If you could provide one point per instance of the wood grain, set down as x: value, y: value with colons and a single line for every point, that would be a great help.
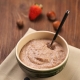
x: 12, y: 10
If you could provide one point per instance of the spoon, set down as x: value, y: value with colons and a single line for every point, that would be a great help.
x: 26, y: 78
x: 60, y: 26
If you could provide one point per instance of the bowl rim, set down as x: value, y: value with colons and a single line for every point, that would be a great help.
x: 49, y: 69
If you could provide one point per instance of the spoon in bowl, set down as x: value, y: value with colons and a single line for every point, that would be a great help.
x: 59, y: 28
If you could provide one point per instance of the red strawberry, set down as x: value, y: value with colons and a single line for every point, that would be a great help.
x: 35, y: 11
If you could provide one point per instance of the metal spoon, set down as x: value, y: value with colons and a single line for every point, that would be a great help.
x: 60, y: 26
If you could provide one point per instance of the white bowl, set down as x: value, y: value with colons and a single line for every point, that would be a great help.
x: 46, y: 72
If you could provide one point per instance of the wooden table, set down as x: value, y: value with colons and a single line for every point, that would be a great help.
x: 12, y: 10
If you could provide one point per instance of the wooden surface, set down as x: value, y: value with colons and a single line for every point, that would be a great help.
x: 12, y: 10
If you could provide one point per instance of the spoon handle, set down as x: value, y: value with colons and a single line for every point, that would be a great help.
x: 26, y: 78
x: 60, y: 26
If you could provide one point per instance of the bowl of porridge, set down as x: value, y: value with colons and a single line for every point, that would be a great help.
x: 37, y: 59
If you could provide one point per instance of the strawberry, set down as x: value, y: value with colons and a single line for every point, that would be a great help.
x: 35, y: 11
